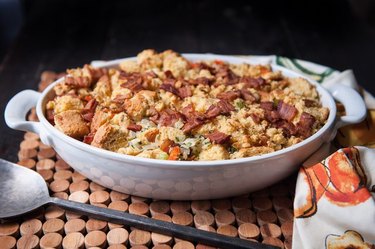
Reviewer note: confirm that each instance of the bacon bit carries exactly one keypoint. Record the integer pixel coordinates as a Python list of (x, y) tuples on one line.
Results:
[(202, 65), (89, 138), (305, 124), (213, 111), (169, 88), (222, 107), (96, 73), (307, 120), (218, 137), (166, 145), (134, 127), (77, 82), (169, 75), (184, 92), (201, 80), (170, 81), (169, 117), (120, 98), (272, 116), (309, 103), (255, 118), (288, 128), (229, 77), (247, 95), (175, 153), (193, 122), (267, 105), (286, 111), (50, 115), (89, 110), (153, 114), (230, 95), (225, 107), (151, 74), (194, 119), (91, 105), (88, 116), (133, 81), (256, 83), (188, 110), (151, 135)]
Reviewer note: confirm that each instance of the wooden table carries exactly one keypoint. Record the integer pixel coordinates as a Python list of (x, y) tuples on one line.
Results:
[(62, 34)]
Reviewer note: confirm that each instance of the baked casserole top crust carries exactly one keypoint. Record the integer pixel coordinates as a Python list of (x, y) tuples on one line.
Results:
[(164, 106)]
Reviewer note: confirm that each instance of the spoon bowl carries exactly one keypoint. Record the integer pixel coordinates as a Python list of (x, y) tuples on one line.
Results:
[(22, 190)]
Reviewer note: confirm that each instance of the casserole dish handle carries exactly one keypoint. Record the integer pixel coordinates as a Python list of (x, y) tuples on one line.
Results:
[(18, 107), (355, 107)]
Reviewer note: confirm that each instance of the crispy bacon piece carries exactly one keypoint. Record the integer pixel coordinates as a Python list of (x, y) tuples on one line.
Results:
[(213, 111), (50, 115), (89, 110), (89, 138), (169, 75), (193, 122), (96, 73), (272, 116), (256, 83), (201, 80), (286, 111), (309, 103), (202, 65), (194, 119), (77, 82), (306, 120), (181, 92), (228, 76), (133, 81), (218, 137), (120, 98), (247, 95), (151, 74), (184, 92), (267, 105), (91, 105), (134, 127), (188, 110), (305, 124), (169, 117), (288, 128), (166, 145), (222, 107), (169, 88), (153, 114), (255, 118), (230, 95), (225, 107)]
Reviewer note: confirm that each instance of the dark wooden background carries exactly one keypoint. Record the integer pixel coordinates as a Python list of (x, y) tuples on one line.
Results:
[(61, 34)]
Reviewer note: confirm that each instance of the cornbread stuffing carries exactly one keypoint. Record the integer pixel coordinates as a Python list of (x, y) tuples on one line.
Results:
[(164, 106)]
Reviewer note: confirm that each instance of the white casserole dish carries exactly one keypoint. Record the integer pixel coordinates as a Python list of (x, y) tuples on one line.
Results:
[(183, 180)]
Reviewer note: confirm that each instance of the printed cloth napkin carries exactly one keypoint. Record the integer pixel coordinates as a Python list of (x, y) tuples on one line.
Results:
[(334, 205)]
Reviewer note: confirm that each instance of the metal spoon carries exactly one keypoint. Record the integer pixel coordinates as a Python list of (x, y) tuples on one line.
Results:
[(23, 190)]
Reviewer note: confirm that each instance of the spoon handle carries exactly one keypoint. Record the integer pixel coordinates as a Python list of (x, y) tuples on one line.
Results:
[(162, 227)]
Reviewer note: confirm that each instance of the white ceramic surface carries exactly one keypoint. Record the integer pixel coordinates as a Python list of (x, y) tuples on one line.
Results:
[(190, 180)]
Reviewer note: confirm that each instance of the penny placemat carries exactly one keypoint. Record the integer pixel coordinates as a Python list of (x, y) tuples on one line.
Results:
[(265, 216)]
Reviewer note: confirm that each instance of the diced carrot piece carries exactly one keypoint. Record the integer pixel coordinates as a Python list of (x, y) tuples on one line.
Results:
[(175, 152)]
